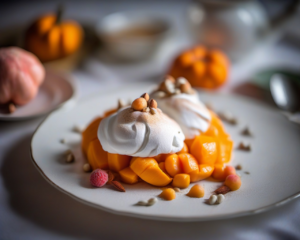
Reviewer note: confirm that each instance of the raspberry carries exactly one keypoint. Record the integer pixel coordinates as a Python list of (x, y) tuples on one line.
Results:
[(98, 178)]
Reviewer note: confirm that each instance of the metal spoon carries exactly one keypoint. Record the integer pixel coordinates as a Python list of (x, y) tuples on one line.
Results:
[(285, 92)]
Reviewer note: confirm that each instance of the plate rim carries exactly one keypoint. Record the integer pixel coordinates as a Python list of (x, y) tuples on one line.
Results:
[(161, 218), (67, 78)]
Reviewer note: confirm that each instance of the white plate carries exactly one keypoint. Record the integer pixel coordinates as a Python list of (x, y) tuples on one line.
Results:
[(56, 90), (273, 163)]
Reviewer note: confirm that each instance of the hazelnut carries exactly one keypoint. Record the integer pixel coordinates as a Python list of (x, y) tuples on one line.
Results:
[(152, 103), (185, 88), (139, 104), (146, 96)]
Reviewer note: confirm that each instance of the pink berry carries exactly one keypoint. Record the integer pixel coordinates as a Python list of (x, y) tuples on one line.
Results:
[(233, 182), (98, 178)]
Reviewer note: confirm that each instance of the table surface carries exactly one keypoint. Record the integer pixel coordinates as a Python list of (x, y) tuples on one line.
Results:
[(30, 208)]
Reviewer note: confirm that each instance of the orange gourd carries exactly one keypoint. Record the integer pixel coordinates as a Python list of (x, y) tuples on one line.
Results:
[(50, 38), (206, 68)]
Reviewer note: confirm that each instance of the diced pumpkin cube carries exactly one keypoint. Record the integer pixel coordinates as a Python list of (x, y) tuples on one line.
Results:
[(173, 165), (162, 157), (189, 142), (128, 176), (96, 156), (218, 173), (181, 180), (205, 171), (204, 149), (117, 162), (185, 149), (155, 176), (89, 134), (162, 167), (224, 147), (188, 162), (139, 164)]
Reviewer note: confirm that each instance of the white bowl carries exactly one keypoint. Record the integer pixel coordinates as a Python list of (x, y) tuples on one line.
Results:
[(132, 35)]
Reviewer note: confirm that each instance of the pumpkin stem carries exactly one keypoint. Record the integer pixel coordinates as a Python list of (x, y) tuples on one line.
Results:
[(59, 13)]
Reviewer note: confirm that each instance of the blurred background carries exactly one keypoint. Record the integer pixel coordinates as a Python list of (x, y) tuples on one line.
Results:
[(131, 40), (223, 46)]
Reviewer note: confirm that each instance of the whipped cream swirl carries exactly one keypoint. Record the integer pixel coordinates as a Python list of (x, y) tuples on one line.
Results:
[(187, 110), (140, 134)]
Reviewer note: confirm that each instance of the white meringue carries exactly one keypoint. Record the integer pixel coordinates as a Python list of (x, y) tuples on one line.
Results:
[(140, 134), (187, 110)]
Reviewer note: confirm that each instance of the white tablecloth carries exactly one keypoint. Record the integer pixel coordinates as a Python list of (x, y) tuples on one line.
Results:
[(30, 208)]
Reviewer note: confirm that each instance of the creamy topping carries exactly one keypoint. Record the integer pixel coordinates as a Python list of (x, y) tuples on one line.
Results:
[(140, 134), (187, 110)]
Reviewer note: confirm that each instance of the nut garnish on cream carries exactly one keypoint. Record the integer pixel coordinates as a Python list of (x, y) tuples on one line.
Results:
[(141, 130), (180, 102)]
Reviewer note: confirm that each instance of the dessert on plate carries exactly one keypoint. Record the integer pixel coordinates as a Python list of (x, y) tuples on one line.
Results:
[(172, 138)]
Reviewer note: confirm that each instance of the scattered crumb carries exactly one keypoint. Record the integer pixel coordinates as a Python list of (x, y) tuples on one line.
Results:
[(243, 146), (78, 129), (246, 172), (63, 140), (238, 167), (87, 167), (246, 132), (227, 117), (11, 108), (70, 158)]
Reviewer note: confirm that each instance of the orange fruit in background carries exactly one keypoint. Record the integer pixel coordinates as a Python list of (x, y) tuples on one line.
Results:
[(202, 67)]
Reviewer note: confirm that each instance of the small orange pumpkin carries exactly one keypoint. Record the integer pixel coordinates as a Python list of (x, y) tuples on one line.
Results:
[(206, 68), (49, 38)]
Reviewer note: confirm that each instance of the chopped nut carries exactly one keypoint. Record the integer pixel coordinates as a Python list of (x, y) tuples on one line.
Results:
[(87, 167), (220, 198), (222, 190), (146, 109), (77, 129), (246, 132), (238, 167), (227, 117), (151, 201), (212, 200), (160, 94), (180, 81), (185, 88), (146, 96), (176, 189), (11, 108), (70, 158), (153, 111), (117, 185), (243, 146), (177, 91), (121, 104), (152, 103), (141, 203)]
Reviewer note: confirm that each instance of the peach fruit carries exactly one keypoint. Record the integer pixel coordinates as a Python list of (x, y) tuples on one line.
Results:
[(168, 194), (233, 182), (128, 176), (197, 191), (117, 162), (181, 180)]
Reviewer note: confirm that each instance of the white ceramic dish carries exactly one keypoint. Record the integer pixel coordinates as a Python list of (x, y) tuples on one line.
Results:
[(132, 47), (273, 163), (57, 90)]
